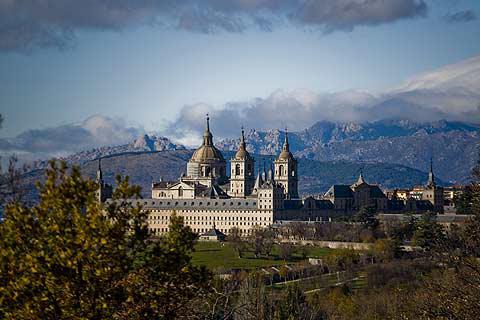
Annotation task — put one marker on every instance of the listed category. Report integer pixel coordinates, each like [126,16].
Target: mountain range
[453,146]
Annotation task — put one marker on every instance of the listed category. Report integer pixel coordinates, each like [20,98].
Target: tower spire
[242,139]
[207,135]
[99,171]
[431,175]
[285,143]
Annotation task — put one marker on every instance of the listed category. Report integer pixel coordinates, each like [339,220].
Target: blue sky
[145,74]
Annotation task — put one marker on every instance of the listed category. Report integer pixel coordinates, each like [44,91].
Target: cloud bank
[26,25]
[451,93]
[95,131]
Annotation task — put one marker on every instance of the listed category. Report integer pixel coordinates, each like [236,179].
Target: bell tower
[242,178]
[286,170]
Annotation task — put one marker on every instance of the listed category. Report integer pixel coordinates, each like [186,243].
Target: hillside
[315,176]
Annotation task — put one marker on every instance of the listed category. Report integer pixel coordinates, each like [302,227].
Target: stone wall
[332,244]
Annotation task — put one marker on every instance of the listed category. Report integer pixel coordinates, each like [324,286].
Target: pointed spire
[285,154]
[270,173]
[99,171]
[285,143]
[431,175]
[360,178]
[242,152]
[258,181]
[207,135]
[264,172]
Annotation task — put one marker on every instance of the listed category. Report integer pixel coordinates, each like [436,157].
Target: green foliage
[293,304]
[386,249]
[366,216]
[235,238]
[68,257]
[428,232]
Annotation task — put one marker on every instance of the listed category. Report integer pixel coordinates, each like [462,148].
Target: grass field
[220,257]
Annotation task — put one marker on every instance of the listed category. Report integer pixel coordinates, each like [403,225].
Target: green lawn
[219,258]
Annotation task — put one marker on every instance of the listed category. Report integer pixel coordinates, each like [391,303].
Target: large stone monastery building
[206,197]
[210,199]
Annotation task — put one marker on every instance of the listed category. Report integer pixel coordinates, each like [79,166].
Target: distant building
[348,198]
[212,235]
[351,198]
[208,199]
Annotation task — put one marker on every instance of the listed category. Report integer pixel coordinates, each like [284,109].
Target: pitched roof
[214,232]
[376,192]
[339,191]
[214,192]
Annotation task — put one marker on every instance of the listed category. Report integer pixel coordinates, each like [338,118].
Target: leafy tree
[283,272]
[236,240]
[70,258]
[366,216]
[469,201]
[428,231]
[293,305]
[386,249]
[286,250]
[257,240]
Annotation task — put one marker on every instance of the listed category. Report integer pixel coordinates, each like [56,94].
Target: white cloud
[59,141]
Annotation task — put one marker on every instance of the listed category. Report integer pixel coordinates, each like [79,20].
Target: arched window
[280,170]
[237,169]
[180,192]
[207,171]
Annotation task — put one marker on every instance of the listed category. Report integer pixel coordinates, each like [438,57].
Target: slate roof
[214,232]
[214,192]
[376,192]
[339,191]
[290,204]
[424,205]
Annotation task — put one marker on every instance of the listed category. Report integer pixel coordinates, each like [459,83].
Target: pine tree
[71,258]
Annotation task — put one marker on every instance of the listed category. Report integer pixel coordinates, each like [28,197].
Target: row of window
[158,231]
[209,218]
[185,203]
[210,211]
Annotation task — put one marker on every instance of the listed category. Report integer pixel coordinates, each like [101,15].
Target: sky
[146,64]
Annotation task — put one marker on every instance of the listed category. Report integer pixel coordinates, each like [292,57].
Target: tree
[11,186]
[257,240]
[236,240]
[366,216]
[69,257]
[386,249]
[286,250]
[283,272]
[428,231]
[293,305]
[268,242]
